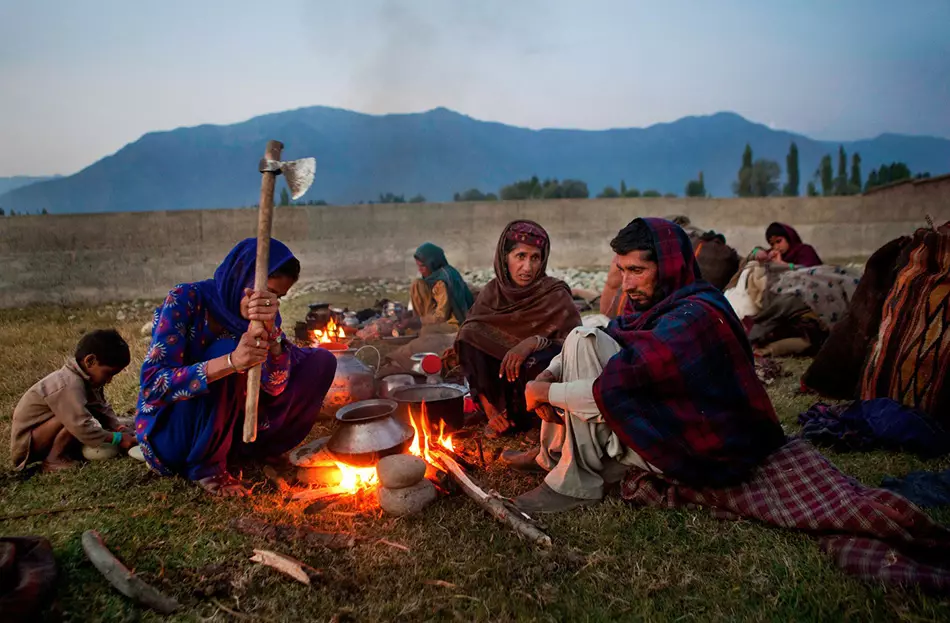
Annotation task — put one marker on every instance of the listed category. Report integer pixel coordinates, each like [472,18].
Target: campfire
[355,479]
[330,333]
[445,468]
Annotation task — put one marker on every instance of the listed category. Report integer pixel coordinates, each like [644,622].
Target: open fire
[330,333]
[356,478]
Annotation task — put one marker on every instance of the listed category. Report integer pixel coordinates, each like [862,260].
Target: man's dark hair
[108,347]
[290,268]
[636,236]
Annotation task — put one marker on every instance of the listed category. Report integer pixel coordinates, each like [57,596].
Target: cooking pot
[444,401]
[388,384]
[367,431]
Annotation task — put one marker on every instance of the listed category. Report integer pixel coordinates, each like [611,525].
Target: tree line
[761,178]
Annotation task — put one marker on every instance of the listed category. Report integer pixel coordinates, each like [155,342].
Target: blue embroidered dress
[186,425]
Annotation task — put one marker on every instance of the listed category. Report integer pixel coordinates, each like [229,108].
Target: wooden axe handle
[265,218]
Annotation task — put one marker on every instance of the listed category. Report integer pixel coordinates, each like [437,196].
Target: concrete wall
[107,257]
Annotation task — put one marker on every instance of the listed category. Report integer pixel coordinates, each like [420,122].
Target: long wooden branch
[122,578]
[491,503]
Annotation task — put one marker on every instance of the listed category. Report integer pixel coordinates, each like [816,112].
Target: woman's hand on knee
[511,365]
[251,349]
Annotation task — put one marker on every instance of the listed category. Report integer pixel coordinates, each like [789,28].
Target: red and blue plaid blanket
[873,534]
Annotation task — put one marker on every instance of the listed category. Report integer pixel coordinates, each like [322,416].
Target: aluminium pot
[367,431]
[443,401]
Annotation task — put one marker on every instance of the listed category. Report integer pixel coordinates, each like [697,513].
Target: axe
[299,176]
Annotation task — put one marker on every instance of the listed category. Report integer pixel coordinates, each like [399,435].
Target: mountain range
[435,153]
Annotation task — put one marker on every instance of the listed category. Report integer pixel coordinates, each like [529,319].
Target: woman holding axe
[193,387]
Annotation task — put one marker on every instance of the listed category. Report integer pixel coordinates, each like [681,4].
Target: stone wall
[107,257]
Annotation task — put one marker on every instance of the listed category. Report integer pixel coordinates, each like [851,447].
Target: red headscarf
[798,253]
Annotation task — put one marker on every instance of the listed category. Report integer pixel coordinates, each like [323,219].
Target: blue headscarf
[460,296]
[224,292]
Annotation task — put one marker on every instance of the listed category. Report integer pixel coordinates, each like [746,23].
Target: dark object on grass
[27,578]
[925,489]
[882,423]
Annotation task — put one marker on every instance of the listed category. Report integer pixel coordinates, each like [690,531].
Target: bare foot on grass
[223,485]
[58,465]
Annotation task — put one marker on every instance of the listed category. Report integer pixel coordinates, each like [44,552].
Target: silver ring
[267,303]
[258,344]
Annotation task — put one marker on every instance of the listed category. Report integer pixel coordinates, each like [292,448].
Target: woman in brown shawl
[515,328]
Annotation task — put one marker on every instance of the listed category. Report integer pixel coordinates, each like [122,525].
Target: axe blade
[299,175]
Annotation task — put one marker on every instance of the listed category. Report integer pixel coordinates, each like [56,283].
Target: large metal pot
[444,401]
[354,380]
[367,431]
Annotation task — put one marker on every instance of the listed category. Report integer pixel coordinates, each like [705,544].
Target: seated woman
[516,327]
[191,404]
[786,248]
[441,295]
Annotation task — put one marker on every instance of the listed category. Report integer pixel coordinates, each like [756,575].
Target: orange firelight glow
[356,478]
[330,333]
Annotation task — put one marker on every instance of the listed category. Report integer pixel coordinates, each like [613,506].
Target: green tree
[391,198]
[855,181]
[841,181]
[623,188]
[2,212]
[742,187]
[522,190]
[826,175]
[473,194]
[696,188]
[791,170]
[652,193]
[764,180]
[631,192]
[417,199]
[284,197]
[574,189]
[609,192]
[43,211]
[888,174]
[670,195]
[812,190]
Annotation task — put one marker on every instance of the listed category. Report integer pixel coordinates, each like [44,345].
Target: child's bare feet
[58,465]
[223,485]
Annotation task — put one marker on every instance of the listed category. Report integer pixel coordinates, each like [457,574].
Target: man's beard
[640,302]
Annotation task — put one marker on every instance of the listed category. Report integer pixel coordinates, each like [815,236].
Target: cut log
[119,576]
[492,503]
[252,526]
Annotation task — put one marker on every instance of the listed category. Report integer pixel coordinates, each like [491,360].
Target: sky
[81,79]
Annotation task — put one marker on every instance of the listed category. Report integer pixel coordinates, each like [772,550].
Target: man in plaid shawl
[669,386]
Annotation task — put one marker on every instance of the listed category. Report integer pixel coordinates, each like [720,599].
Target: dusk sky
[80,79]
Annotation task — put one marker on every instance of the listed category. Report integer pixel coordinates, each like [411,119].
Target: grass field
[609,562]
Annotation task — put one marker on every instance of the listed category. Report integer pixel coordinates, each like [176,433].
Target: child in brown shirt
[68,406]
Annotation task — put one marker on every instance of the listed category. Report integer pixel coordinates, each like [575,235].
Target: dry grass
[610,562]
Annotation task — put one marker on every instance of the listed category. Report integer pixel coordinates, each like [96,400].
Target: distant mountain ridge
[12,183]
[436,153]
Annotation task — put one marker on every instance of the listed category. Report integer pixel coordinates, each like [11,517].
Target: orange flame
[421,448]
[356,478]
[331,333]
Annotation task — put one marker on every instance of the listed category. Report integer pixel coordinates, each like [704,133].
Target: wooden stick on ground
[491,503]
[119,576]
[54,511]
